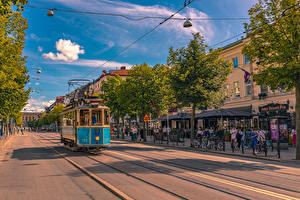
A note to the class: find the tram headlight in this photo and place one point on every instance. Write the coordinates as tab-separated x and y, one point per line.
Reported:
97	138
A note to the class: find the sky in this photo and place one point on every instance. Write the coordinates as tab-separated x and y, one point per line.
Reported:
70	45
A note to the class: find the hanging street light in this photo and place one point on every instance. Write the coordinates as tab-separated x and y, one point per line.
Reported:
187	23
50	13
39	71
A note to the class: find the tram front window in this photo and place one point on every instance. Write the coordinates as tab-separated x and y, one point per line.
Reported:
84	117
106	117
97	117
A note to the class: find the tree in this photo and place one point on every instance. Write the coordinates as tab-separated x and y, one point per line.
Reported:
274	40
112	96
197	76
13	78
147	90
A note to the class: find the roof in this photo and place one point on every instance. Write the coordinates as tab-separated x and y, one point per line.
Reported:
174	117
120	72
232	44
229	112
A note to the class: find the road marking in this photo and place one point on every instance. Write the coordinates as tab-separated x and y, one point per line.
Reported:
235	184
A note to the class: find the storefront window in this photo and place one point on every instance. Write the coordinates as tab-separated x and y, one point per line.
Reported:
106	117
84	117
97	117
236	89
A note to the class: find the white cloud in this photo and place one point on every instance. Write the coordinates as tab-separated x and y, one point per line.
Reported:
37	105
95	63
40	49
174	27
69	51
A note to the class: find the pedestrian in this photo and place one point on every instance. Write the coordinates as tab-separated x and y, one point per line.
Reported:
253	143
239	138
22	131
233	133
294	137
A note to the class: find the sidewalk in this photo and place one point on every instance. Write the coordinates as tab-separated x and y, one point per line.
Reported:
285	155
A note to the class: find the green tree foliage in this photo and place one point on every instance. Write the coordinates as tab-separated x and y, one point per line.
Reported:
274	45
112	96
52	116
13	76
197	76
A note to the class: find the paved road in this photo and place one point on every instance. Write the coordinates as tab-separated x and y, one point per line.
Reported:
31	169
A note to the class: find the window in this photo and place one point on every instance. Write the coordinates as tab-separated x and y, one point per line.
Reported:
246	59
236	89
235	62
248	89
264	88
67	120
106	117
84	117
226	91
97	117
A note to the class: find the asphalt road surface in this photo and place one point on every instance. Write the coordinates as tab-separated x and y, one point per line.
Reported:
37	166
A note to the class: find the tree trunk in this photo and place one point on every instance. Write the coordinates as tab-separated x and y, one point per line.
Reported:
144	132
123	120
118	126
298	119
192	125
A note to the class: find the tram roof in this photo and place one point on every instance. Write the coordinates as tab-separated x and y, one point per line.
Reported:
85	107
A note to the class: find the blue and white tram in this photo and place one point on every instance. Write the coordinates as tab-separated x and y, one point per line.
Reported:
85	127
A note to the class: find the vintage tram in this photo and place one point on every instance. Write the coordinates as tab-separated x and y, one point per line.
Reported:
86	126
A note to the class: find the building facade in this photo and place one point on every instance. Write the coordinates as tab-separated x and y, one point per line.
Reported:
28	116
242	91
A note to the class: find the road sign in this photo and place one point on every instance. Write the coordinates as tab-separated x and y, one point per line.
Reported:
146	118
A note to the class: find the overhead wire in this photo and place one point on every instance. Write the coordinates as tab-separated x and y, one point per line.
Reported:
139	38
139	18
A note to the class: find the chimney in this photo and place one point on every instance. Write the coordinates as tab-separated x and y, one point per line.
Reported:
123	68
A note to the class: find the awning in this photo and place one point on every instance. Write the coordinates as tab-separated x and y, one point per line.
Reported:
179	116
229	112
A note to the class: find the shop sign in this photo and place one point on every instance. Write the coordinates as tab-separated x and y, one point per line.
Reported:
274	109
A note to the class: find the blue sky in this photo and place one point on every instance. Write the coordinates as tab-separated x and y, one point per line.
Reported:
68	45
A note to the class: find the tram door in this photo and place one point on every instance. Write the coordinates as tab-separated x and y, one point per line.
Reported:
75	123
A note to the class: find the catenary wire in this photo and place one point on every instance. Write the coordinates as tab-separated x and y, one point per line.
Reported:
138	39
140	18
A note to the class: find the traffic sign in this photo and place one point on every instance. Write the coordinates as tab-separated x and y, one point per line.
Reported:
146	118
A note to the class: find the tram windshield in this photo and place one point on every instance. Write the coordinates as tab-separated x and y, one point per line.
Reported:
84	117
97	117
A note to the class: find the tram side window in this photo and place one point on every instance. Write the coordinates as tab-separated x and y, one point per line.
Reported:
68	119
97	117
84	117
106	117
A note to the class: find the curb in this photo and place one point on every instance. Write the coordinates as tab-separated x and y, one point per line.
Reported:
214	152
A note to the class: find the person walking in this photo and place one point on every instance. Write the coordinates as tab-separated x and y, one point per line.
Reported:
239	138
253	143
233	133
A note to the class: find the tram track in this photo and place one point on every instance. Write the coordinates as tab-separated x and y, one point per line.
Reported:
156	170
194	169
107	185
195	181
180	166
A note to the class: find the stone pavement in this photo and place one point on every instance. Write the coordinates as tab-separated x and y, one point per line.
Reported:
285	155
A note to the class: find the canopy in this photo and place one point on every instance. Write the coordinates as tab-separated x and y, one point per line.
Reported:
229	112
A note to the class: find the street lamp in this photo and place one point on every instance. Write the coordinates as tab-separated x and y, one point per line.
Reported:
50	13
187	23
39	71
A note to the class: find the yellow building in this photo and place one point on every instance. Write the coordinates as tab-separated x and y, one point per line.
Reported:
241	93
